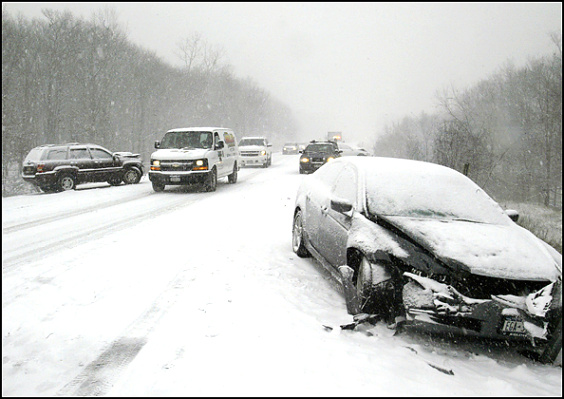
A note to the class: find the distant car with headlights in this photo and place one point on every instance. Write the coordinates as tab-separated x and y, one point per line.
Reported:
255	151
352	150
290	148
61	167
316	154
421	244
194	156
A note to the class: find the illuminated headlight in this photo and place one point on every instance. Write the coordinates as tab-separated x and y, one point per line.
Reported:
200	164
155	164
304	160
263	153
330	159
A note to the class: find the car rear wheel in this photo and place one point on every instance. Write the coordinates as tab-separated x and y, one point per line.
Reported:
132	176
553	349
298	245
66	182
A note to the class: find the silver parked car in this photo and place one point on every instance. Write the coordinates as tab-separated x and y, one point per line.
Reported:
422	244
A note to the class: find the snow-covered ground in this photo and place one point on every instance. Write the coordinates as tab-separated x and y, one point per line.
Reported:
120	291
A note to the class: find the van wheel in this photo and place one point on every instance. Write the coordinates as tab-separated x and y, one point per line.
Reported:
211	183
66	182
232	178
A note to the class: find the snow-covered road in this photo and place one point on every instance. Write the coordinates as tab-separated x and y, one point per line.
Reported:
121	291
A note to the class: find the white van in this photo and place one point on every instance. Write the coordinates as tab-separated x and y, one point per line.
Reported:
195	155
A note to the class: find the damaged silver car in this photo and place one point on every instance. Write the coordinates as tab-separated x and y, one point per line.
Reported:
421	244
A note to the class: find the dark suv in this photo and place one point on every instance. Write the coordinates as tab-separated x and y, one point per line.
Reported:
316	154
54	167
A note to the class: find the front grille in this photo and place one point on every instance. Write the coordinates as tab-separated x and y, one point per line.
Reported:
176	166
250	153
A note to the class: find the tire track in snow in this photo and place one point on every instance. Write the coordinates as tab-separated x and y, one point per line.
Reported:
98	376
66	215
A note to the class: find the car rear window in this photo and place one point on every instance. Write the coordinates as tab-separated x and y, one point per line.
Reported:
320	148
34	155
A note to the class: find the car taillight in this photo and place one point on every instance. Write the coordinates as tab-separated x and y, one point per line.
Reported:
40	168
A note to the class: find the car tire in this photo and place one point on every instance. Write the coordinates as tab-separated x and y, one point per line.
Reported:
66	182
211	182
158	187
115	180
232	178
298	244
375	289
131	176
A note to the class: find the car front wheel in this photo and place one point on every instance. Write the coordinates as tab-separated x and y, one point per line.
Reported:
375	289
298	245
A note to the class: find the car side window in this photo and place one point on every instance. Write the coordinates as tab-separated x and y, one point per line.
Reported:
100	154
345	186
57	154
79	153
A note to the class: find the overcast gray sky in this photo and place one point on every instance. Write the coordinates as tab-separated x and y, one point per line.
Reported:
347	67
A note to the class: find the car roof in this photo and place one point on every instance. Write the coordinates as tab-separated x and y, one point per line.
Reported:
395	166
253	137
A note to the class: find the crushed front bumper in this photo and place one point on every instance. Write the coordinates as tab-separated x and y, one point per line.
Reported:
531	318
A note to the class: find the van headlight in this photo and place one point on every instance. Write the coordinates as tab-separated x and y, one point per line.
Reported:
155	164
200	164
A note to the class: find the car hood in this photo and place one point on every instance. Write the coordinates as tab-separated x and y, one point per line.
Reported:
173	154
501	251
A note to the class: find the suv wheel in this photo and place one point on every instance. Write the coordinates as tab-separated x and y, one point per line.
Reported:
131	176
66	182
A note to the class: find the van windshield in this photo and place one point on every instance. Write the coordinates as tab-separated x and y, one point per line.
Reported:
187	140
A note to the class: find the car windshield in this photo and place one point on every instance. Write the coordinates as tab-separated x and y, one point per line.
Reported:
187	140
429	191
247	142
325	148
290	145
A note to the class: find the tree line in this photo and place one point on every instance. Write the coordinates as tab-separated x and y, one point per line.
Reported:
505	132
68	79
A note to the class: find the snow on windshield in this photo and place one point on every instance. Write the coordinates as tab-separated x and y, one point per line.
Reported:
398	187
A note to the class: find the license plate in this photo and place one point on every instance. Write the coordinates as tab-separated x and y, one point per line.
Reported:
513	327
175	179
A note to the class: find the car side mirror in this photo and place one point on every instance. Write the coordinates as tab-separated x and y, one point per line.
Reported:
342	206
269	145
157	144
301	151
219	145
513	214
